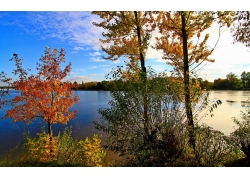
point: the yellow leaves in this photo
(171, 41)
(93, 151)
(40, 148)
(121, 35)
(65, 150)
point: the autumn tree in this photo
(185, 48)
(45, 94)
(127, 34)
(241, 27)
(139, 114)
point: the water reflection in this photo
(230, 107)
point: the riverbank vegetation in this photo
(35, 151)
(153, 118)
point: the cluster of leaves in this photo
(121, 28)
(170, 26)
(66, 151)
(240, 30)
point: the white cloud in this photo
(80, 69)
(115, 62)
(72, 73)
(159, 68)
(95, 54)
(92, 67)
(160, 60)
(74, 52)
(97, 60)
(105, 65)
(72, 27)
(80, 79)
(153, 53)
(78, 48)
(106, 70)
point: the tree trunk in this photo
(49, 130)
(186, 83)
(50, 138)
(144, 77)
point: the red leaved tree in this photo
(45, 94)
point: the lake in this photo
(230, 107)
(91, 101)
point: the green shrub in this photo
(212, 148)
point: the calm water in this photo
(222, 119)
(91, 101)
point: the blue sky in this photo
(27, 34)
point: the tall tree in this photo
(43, 95)
(184, 48)
(127, 34)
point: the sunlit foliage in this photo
(66, 150)
(121, 36)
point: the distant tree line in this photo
(231, 82)
(97, 86)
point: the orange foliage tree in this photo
(43, 95)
